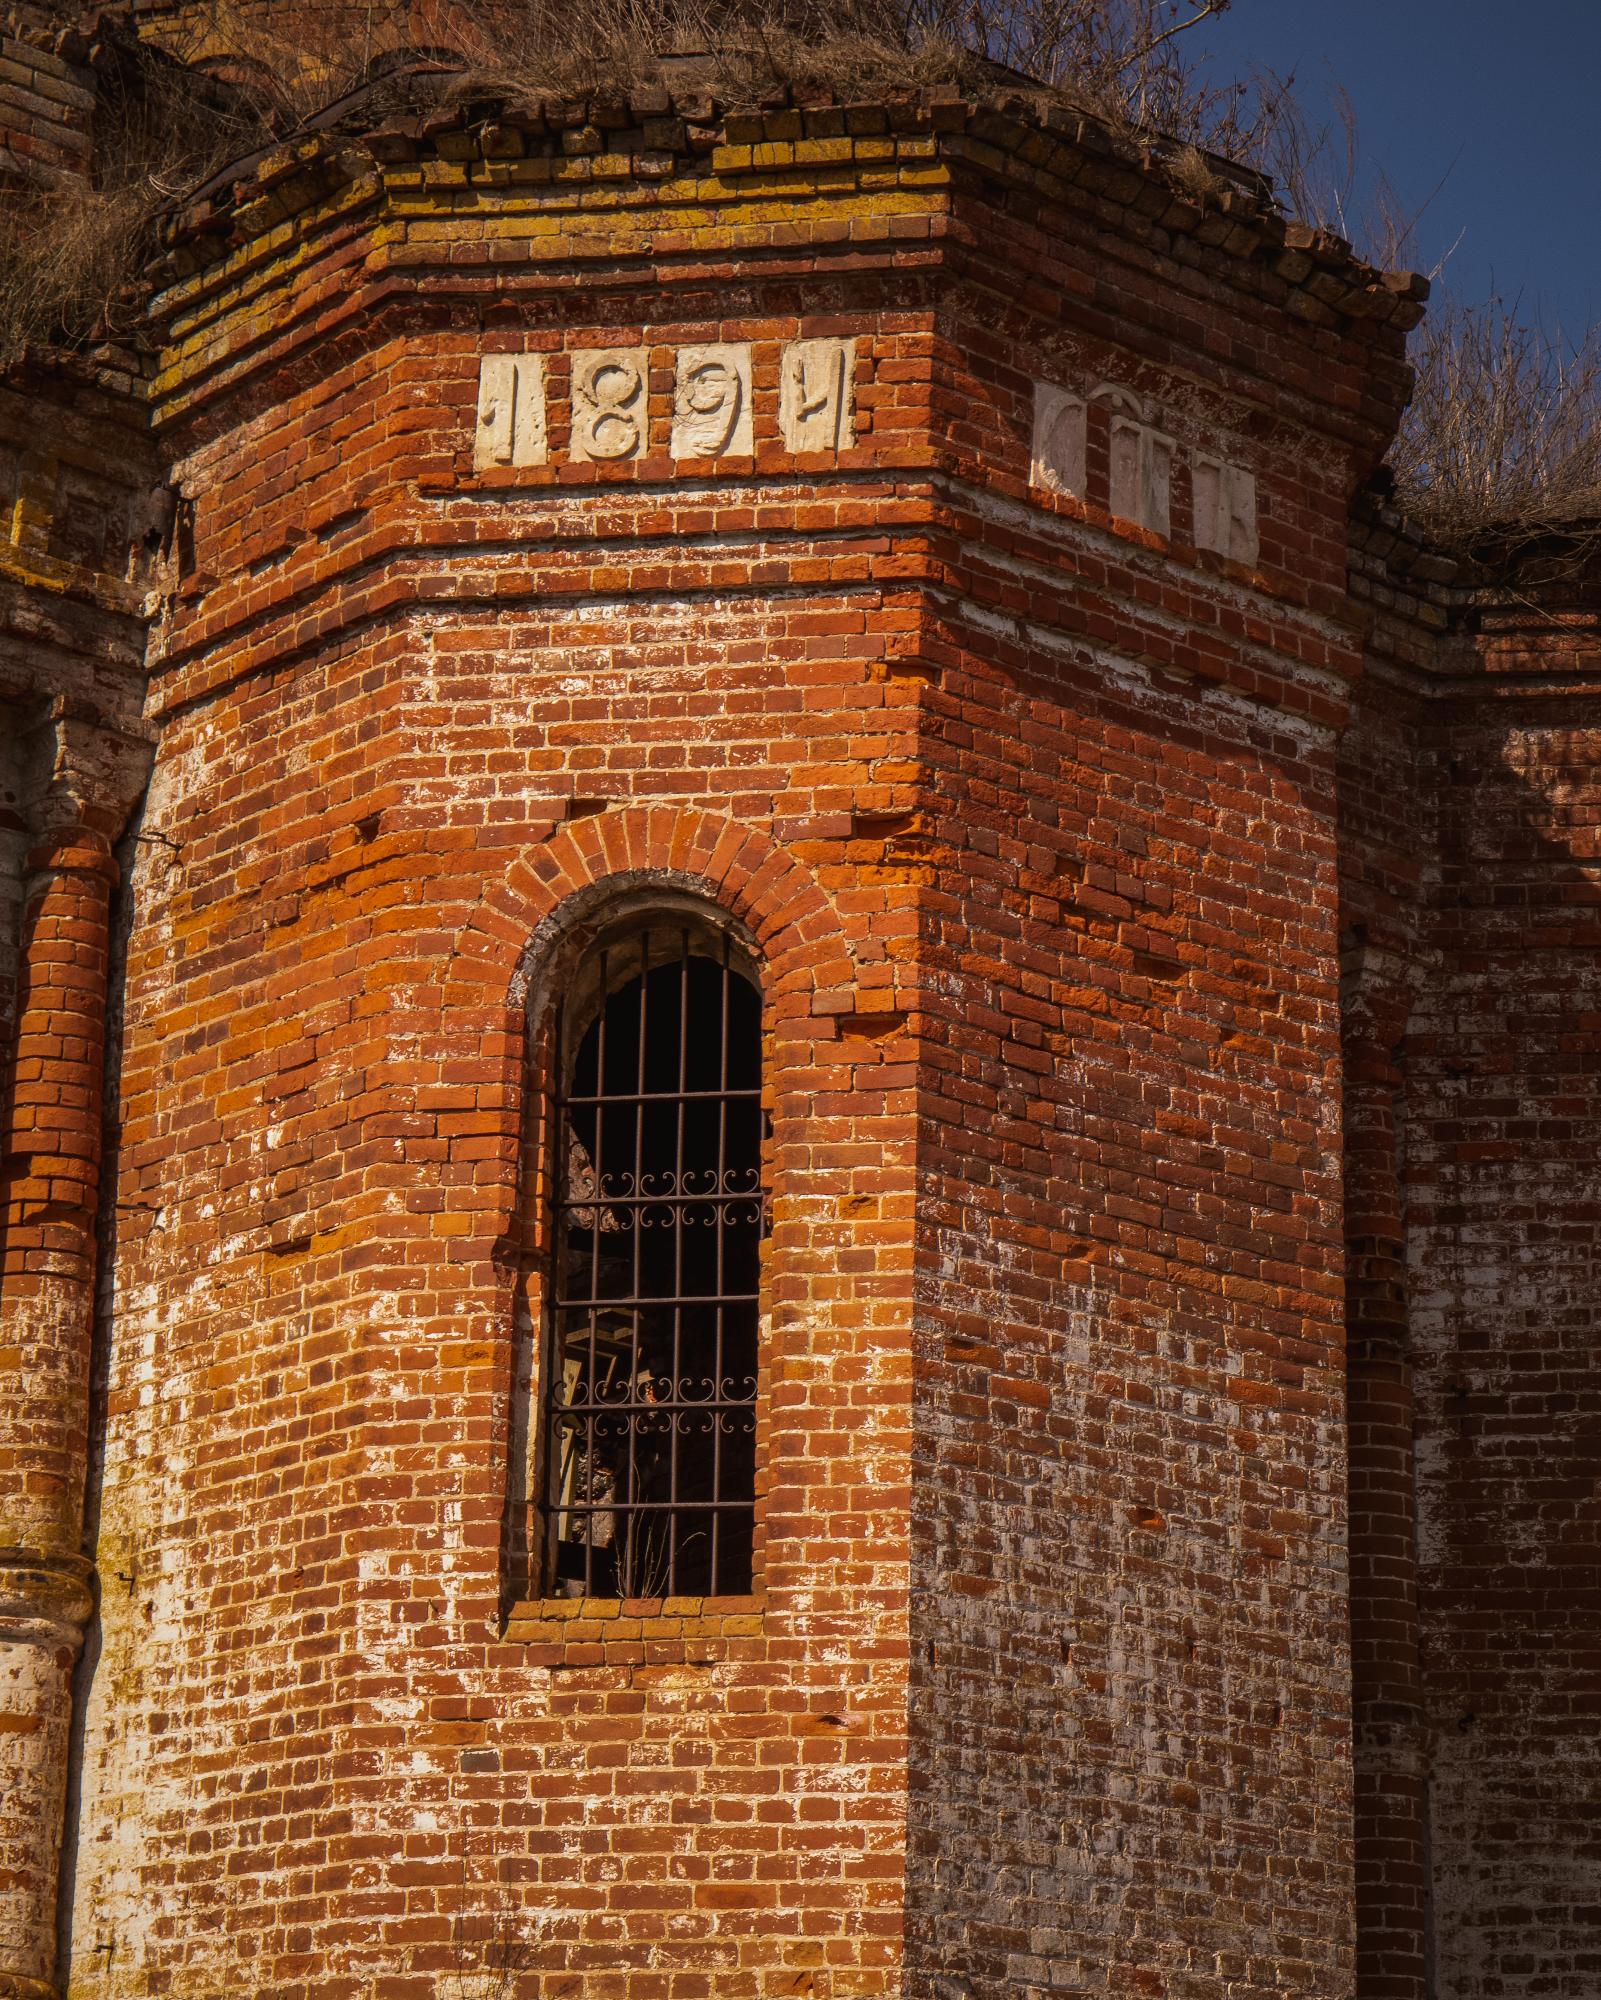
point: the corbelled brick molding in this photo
(934, 536)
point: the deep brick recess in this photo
(1129, 921)
(1505, 1112)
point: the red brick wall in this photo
(1130, 1692)
(46, 98)
(1033, 814)
(1131, 1499)
(1471, 1105)
(77, 470)
(1506, 1308)
(13, 853)
(1165, 1070)
(379, 780)
(71, 767)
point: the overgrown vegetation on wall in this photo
(1126, 59)
(1502, 441)
(70, 251)
(228, 77)
(1503, 437)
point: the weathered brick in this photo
(1128, 935)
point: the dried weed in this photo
(1502, 440)
(68, 251)
(1504, 432)
(234, 74)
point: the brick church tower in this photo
(744, 900)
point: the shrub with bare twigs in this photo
(1502, 441)
(1504, 433)
(238, 72)
(1134, 63)
(492, 1937)
(1126, 57)
(63, 263)
(68, 247)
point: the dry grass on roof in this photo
(1502, 440)
(69, 249)
(235, 74)
(1127, 59)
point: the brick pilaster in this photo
(51, 1187)
(45, 1602)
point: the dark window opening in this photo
(651, 1359)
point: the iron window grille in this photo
(649, 1397)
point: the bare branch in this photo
(1208, 9)
(1503, 435)
(1504, 431)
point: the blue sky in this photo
(1499, 102)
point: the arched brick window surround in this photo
(527, 934)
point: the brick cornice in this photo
(930, 545)
(341, 232)
(1025, 138)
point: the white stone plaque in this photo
(1158, 515)
(1142, 476)
(1208, 477)
(814, 395)
(511, 411)
(610, 404)
(1056, 461)
(1245, 541)
(1225, 509)
(711, 402)
(1127, 484)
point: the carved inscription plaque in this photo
(814, 395)
(609, 405)
(713, 406)
(1056, 461)
(1139, 486)
(511, 411)
(1225, 509)
(1142, 475)
(711, 402)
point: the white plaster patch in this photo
(511, 411)
(1130, 674)
(711, 402)
(1056, 460)
(814, 395)
(610, 405)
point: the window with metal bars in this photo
(649, 1383)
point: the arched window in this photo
(648, 1395)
